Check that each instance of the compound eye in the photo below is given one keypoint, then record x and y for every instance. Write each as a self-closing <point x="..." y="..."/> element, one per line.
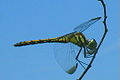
<point x="92" y="44"/>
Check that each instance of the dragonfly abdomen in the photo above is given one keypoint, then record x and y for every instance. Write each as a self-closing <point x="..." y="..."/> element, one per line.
<point x="52" y="40"/>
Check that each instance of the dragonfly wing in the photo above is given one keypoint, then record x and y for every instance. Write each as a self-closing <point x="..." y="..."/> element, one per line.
<point x="82" y="27"/>
<point x="65" y="54"/>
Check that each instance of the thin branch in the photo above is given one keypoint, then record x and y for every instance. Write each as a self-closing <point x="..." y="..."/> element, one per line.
<point x="103" y="37"/>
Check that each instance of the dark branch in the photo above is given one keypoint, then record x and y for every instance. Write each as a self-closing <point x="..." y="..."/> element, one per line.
<point x="105" y="32"/>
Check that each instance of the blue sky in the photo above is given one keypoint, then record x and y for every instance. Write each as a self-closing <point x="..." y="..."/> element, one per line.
<point x="22" y="20"/>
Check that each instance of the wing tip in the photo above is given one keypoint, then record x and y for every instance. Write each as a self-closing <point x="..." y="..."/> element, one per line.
<point x="97" y="18"/>
<point x="72" y="70"/>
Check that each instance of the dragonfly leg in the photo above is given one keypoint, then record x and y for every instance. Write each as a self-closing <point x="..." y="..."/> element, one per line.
<point x="88" y="56"/>
<point x="80" y="62"/>
<point x="88" y="53"/>
<point x="85" y="52"/>
<point x="78" y="53"/>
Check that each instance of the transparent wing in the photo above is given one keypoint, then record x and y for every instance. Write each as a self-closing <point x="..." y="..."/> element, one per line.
<point x="82" y="27"/>
<point x="65" y="54"/>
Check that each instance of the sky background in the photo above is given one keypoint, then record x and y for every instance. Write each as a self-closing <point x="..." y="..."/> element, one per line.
<point x="22" y="20"/>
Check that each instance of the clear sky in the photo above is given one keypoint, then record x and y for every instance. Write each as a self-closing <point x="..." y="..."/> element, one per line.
<point x="22" y="20"/>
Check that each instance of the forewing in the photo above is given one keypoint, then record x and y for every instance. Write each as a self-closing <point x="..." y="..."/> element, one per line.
<point x="65" y="54"/>
<point x="82" y="27"/>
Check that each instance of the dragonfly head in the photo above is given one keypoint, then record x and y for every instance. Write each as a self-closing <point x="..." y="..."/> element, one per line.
<point x="92" y="44"/>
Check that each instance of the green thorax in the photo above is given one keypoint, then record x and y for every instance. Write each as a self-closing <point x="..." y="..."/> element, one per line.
<point x="76" y="38"/>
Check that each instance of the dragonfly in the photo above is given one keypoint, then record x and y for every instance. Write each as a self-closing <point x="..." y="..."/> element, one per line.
<point x="65" y="52"/>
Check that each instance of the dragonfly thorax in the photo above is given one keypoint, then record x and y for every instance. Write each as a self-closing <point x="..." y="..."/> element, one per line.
<point x="78" y="39"/>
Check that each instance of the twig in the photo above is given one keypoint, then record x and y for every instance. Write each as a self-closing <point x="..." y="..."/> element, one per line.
<point x="105" y="32"/>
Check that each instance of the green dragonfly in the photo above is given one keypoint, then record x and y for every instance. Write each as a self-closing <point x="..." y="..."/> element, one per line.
<point x="65" y="52"/>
